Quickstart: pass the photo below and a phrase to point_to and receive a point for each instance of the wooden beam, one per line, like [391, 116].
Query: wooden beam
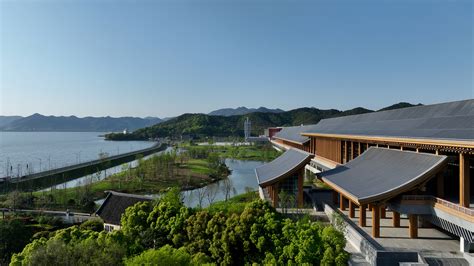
[375, 221]
[464, 180]
[362, 215]
[423, 141]
[396, 219]
[413, 225]
[342, 206]
[351, 209]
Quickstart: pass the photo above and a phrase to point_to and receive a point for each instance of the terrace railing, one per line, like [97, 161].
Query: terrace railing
[450, 205]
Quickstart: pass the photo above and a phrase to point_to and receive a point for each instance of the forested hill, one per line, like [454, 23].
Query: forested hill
[201, 125]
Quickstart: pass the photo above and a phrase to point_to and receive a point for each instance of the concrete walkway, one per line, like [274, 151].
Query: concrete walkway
[431, 243]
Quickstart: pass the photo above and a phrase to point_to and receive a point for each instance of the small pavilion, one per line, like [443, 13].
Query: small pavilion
[285, 174]
[378, 176]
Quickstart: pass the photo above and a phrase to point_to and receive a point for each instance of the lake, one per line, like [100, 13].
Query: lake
[29, 152]
[241, 179]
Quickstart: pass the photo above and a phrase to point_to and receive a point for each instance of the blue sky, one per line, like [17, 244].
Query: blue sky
[165, 58]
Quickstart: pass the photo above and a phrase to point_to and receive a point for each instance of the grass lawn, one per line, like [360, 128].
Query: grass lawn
[250, 152]
[197, 166]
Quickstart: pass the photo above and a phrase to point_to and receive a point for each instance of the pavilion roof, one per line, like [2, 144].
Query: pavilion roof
[380, 174]
[446, 121]
[293, 134]
[285, 165]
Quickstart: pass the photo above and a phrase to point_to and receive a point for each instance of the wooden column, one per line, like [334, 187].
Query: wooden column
[440, 185]
[413, 225]
[352, 150]
[351, 209]
[300, 189]
[375, 221]
[362, 216]
[342, 206]
[345, 152]
[396, 219]
[383, 212]
[464, 180]
[358, 150]
[275, 195]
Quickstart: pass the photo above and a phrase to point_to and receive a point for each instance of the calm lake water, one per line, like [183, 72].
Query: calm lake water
[29, 152]
[241, 179]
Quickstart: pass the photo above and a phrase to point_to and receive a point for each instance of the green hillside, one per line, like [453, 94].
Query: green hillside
[201, 125]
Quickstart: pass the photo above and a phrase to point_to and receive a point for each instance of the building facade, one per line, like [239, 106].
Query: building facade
[415, 161]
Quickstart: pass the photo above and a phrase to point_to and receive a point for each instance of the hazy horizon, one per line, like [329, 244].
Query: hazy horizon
[165, 58]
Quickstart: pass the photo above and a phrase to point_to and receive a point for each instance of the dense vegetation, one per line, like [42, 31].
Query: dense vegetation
[16, 231]
[202, 126]
[166, 232]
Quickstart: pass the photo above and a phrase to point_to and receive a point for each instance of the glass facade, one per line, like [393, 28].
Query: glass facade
[288, 191]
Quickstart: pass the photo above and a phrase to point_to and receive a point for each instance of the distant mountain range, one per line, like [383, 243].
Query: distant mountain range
[5, 120]
[38, 122]
[202, 125]
[243, 111]
[222, 122]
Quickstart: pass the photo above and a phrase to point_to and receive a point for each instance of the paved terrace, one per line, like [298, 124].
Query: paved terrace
[436, 246]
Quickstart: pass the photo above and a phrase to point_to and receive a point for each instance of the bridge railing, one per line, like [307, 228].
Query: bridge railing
[440, 201]
[89, 163]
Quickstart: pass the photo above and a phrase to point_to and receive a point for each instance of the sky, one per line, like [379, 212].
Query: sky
[165, 58]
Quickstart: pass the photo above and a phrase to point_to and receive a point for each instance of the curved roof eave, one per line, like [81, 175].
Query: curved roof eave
[285, 165]
[383, 194]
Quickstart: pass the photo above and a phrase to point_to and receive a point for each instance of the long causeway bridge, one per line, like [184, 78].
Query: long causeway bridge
[58, 176]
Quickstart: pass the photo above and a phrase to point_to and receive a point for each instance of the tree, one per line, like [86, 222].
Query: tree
[14, 235]
[96, 225]
[211, 193]
[166, 255]
[73, 246]
[228, 186]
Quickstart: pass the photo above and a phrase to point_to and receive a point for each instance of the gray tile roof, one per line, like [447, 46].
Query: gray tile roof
[381, 173]
[283, 166]
[294, 133]
[452, 120]
[115, 205]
